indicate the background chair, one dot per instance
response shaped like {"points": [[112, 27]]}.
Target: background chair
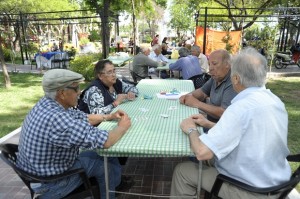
{"points": [[89, 188], [137, 77], [199, 80], [57, 58], [32, 61], [282, 190]]}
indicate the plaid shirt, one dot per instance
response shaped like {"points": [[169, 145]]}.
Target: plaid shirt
{"points": [[51, 136]]}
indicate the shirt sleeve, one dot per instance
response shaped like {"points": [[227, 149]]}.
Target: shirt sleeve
{"points": [[225, 136], [150, 62], [176, 65], [66, 131], [95, 101], [129, 88], [207, 87]]}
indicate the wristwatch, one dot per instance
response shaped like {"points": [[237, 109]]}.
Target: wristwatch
{"points": [[190, 130]]}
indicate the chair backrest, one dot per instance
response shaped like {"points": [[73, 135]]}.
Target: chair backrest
{"points": [[198, 81], [9, 155]]}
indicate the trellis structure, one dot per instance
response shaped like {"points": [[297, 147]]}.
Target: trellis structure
{"points": [[22, 21], [283, 16]]}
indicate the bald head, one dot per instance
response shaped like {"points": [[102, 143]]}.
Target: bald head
{"points": [[219, 64]]}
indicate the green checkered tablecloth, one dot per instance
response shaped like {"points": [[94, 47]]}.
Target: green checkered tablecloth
{"points": [[155, 129], [119, 60]]}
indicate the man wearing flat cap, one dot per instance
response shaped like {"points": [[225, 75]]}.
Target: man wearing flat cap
{"points": [[52, 134]]}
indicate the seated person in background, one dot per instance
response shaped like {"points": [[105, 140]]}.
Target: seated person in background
{"points": [[165, 40], [141, 62], [106, 92], [247, 128], [164, 51], [196, 51], [156, 55], [187, 64], [218, 88], [53, 132], [54, 47]]}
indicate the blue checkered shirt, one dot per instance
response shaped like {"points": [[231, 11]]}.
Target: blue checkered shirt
{"points": [[51, 137]]}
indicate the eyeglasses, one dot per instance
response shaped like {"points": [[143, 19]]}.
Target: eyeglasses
{"points": [[75, 88], [110, 73]]}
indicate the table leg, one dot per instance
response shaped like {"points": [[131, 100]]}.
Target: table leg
{"points": [[106, 177], [199, 179]]}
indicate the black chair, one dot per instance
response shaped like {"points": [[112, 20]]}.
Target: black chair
{"points": [[199, 80], [57, 59], [137, 77], [89, 188], [32, 61], [283, 189]]}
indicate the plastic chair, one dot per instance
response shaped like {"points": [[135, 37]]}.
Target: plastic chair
{"points": [[282, 190], [89, 188]]}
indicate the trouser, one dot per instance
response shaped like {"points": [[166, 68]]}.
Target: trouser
{"points": [[185, 180], [93, 164]]}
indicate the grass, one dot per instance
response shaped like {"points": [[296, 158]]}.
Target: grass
{"points": [[26, 90]]}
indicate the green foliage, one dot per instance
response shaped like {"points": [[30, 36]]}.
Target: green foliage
{"points": [[83, 41], [7, 54], [94, 35], [32, 47], [83, 64], [261, 37]]}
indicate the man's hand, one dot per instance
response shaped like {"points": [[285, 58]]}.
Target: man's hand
{"points": [[182, 99], [124, 122], [117, 115], [130, 96], [189, 100], [187, 123]]}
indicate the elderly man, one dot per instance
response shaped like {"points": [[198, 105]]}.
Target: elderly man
{"points": [[141, 62], [247, 128], [52, 134], [218, 89], [187, 64], [156, 55], [196, 51]]}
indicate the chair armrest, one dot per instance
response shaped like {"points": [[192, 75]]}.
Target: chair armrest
{"points": [[293, 158], [35, 178], [266, 191]]}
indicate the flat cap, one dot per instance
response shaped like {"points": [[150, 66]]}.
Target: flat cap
{"points": [[56, 79]]}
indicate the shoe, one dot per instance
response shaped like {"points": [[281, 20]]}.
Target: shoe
{"points": [[126, 183]]}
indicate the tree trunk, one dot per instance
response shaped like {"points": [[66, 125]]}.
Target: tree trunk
{"points": [[134, 28], [7, 82]]}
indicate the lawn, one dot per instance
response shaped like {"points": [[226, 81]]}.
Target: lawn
{"points": [[26, 90]]}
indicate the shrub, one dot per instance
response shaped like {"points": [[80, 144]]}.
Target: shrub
{"points": [[83, 64], [7, 53]]}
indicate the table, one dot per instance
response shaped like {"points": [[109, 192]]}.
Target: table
{"points": [[155, 130], [166, 67], [119, 60], [45, 59]]}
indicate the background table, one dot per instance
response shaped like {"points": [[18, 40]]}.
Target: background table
{"points": [[119, 60], [152, 135], [166, 67], [45, 59]]}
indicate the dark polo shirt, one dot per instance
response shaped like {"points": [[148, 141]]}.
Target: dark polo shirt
{"points": [[219, 95]]}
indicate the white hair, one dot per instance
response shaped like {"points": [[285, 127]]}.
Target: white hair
{"points": [[251, 67], [51, 94], [156, 46]]}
